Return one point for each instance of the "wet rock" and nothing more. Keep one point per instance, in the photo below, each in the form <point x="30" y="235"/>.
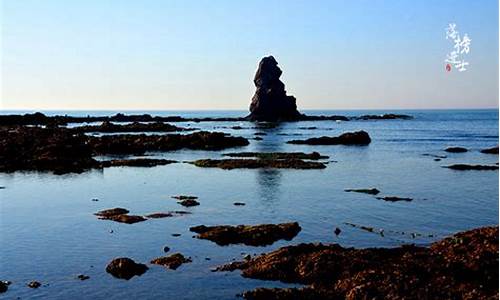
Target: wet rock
<point x="383" y="117"/>
<point x="372" y="191"/>
<point x="229" y="164"/>
<point x="394" y="198"/>
<point x="82" y="277"/>
<point x="125" y="268"/>
<point x="34" y="284"/>
<point x="239" y="204"/>
<point x="189" y="203"/>
<point x="166" y="249"/>
<point x="270" y="102"/>
<point x="3" y="287"/>
<point x="348" y="138"/>
<point x="128" y="219"/>
<point x="176" y="234"/>
<point x="112" y="212"/>
<point x="137" y="162"/>
<point x="44" y="149"/>
<point x="493" y="150"/>
<point x="184" y="197"/>
<point x="279" y="155"/>
<point x="172" y="261"/>
<point x="455" y="149"/>
<point x="466" y="167"/>
<point x="94" y="200"/>
<point x="109" y="127"/>
<point x="464" y="266"/>
<point x="140" y="143"/>
<point x="256" y="235"/>
<point x="337" y="231"/>
<point x="159" y="215"/>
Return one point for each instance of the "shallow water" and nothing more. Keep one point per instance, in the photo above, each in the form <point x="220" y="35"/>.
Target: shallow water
<point x="48" y="231"/>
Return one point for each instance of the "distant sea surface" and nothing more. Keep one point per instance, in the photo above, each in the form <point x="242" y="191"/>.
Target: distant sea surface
<point x="48" y="231"/>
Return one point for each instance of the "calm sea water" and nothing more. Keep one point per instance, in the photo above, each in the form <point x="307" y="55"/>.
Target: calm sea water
<point x="48" y="231"/>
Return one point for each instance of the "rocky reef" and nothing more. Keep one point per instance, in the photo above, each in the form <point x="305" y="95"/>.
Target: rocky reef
<point x="256" y="235"/>
<point x="172" y="261"/>
<point x="270" y="102"/>
<point x="349" y="138"/>
<point x="125" y="268"/>
<point x="234" y="163"/>
<point x="464" y="266"/>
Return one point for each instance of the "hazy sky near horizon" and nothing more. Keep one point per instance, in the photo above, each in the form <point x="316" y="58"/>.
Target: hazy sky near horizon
<point x="152" y="54"/>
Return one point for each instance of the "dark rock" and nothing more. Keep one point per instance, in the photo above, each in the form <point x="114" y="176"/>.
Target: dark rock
<point x="112" y="212"/>
<point x="44" y="149"/>
<point x="172" y="261"/>
<point x="239" y="203"/>
<point x="455" y="149"/>
<point x="140" y="143"/>
<point x="95" y="199"/>
<point x="184" y="197"/>
<point x="257" y="235"/>
<point x="372" y="191"/>
<point x="348" y="138"/>
<point x="109" y="127"/>
<point x="189" y="203"/>
<point x="260" y="133"/>
<point x="465" y="167"/>
<point x="394" y="198"/>
<point x="464" y="266"/>
<point x="176" y="234"/>
<point x="82" y="277"/>
<point x="3" y="287"/>
<point x="229" y="164"/>
<point x="337" y="231"/>
<point x="279" y="155"/>
<point x="159" y="215"/>
<point x="137" y="162"/>
<point x="125" y="268"/>
<point x="383" y="117"/>
<point x="166" y="249"/>
<point x="258" y="138"/>
<point x="270" y="102"/>
<point x="128" y="219"/>
<point x="493" y="150"/>
<point x="34" y="284"/>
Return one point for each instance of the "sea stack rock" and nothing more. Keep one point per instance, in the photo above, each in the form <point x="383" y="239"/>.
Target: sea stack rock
<point x="270" y="102"/>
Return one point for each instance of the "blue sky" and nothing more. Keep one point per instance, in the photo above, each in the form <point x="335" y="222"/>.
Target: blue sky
<point x="105" y="54"/>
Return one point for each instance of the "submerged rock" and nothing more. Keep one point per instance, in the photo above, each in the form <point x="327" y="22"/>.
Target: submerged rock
<point x="185" y="197"/>
<point x="279" y="155"/>
<point x="137" y="162"/>
<point x="82" y="277"/>
<point x="464" y="266"/>
<point x="251" y="235"/>
<point x="372" y="191"/>
<point x="383" y="117"/>
<point x="348" y="138"/>
<point x="493" y="150"/>
<point x="172" y="261"/>
<point x="112" y="212"/>
<point x="229" y="164"/>
<point x="455" y="149"/>
<point x="270" y="102"/>
<point x="125" y="268"/>
<point x="466" y="167"/>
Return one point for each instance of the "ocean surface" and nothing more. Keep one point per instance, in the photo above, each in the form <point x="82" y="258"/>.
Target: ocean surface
<point x="48" y="231"/>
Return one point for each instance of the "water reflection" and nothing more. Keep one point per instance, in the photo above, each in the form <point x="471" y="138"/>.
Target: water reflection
<point x="269" y="180"/>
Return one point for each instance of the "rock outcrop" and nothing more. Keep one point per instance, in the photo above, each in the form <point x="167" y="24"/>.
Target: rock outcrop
<point x="270" y="102"/>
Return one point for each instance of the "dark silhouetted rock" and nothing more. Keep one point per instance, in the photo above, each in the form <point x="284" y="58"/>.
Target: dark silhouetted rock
<point x="493" y="150"/>
<point x="3" y="287"/>
<point x="172" y="261"/>
<point x="189" y="203"/>
<point x="464" y="266"/>
<point x="184" y="197"/>
<point x="348" y="138"/>
<point x="34" y="284"/>
<point x="112" y="212"/>
<point x="228" y="164"/>
<point x="119" y="215"/>
<point x="137" y="162"/>
<point x="125" y="268"/>
<point x="270" y="102"/>
<point x="337" y="231"/>
<point x="83" y="277"/>
<point x="372" y="191"/>
<point x="109" y="127"/>
<point x="239" y="204"/>
<point x="394" y="198"/>
<point x="256" y="235"/>
<point x="466" y="167"/>
<point x="455" y="149"/>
